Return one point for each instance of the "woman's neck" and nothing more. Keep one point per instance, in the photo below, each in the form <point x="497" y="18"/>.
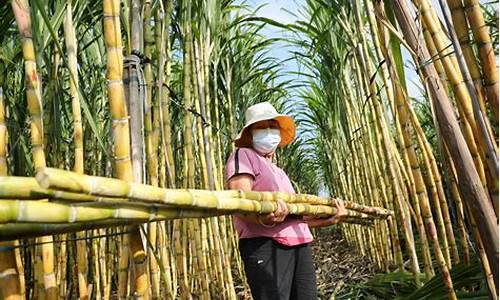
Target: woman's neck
<point x="269" y="157"/>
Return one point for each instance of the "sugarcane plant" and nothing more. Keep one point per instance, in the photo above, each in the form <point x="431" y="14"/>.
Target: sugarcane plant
<point x="360" y="108"/>
<point x="117" y="113"/>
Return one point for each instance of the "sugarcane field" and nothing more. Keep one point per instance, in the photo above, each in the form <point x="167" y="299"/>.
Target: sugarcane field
<point x="249" y="149"/>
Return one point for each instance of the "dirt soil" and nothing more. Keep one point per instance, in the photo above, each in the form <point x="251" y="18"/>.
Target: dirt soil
<point x="338" y="264"/>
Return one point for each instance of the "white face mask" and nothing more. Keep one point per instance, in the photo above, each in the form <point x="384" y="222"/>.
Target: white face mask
<point x="266" y="140"/>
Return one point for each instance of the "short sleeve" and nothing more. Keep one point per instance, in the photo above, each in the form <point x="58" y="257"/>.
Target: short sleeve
<point x="240" y="162"/>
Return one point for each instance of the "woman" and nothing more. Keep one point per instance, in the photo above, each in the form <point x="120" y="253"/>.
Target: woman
<point x="275" y="248"/>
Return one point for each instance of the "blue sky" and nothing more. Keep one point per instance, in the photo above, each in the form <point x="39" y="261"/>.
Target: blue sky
<point x="283" y="11"/>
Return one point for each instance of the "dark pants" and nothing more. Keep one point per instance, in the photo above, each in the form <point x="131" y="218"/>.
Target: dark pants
<point x="278" y="272"/>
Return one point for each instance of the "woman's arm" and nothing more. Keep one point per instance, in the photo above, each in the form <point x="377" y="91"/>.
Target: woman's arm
<point x="244" y="182"/>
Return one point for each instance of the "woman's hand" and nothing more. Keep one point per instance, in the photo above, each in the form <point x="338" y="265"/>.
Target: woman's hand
<point x="244" y="182"/>
<point x="277" y="216"/>
<point x="341" y="213"/>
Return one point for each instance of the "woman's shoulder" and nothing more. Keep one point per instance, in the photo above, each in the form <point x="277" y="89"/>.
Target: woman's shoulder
<point x="246" y="154"/>
<point x="246" y="151"/>
<point x="242" y="152"/>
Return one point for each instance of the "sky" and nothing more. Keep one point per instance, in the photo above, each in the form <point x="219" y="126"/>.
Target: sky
<point x="283" y="11"/>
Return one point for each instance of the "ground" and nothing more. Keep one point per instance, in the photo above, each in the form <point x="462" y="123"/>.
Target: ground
<point x="338" y="264"/>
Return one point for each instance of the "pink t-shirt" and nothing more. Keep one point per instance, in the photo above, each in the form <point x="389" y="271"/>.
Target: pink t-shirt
<point x="267" y="178"/>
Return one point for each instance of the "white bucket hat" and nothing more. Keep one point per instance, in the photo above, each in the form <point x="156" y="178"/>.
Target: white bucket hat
<point x="261" y="112"/>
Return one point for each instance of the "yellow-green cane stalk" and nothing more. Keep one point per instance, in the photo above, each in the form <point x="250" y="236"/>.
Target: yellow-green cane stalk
<point x="486" y="53"/>
<point x="71" y="47"/>
<point x="121" y="132"/>
<point x="33" y="93"/>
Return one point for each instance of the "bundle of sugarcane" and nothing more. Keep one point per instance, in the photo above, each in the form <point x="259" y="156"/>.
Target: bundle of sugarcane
<point x="70" y="186"/>
<point x="111" y="188"/>
<point x="78" y="198"/>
